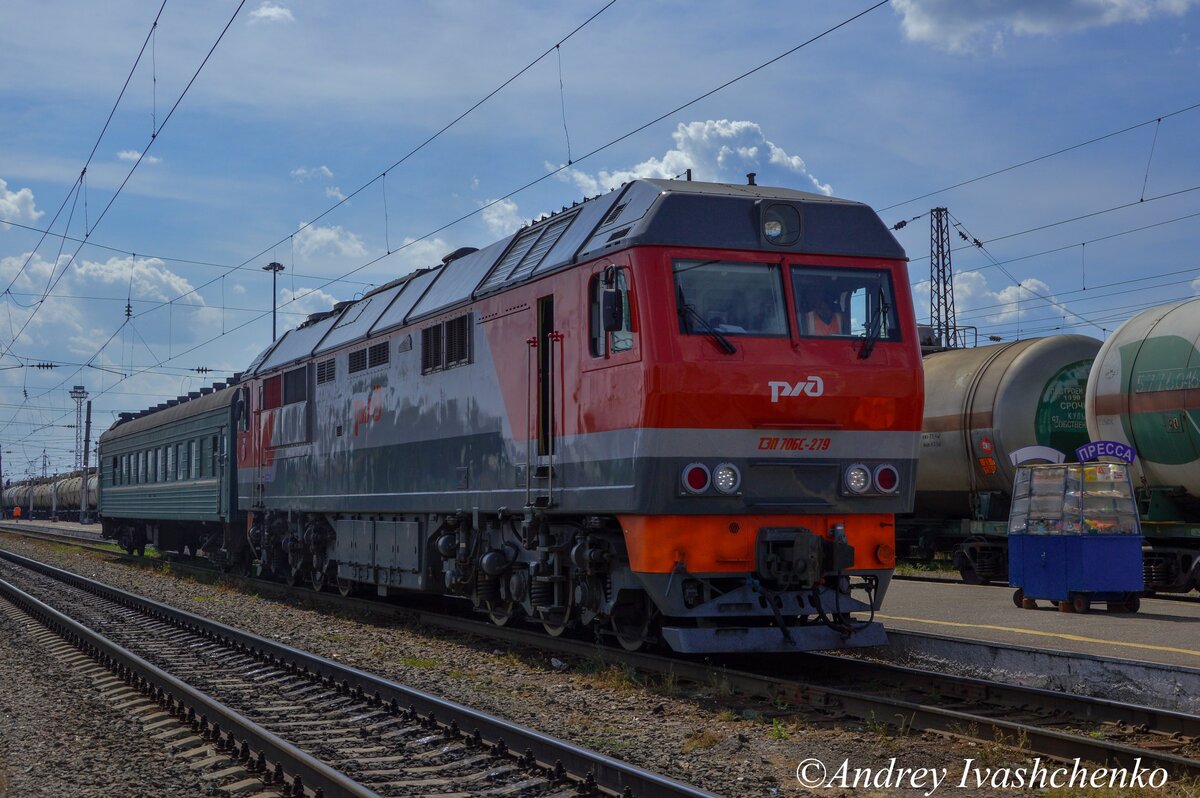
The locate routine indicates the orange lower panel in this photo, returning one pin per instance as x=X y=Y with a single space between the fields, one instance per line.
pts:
x=725 y=543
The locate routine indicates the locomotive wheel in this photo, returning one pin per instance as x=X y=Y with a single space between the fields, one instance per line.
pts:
x=347 y=587
x=631 y=625
x=501 y=612
x=1081 y=603
x=319 y=579
x=295 y=577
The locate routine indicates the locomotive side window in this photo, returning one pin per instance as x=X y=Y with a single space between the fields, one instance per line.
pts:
x=845 y=302
x=295 y=385
x=600 y=341
x=272 y=395
x=729 y=298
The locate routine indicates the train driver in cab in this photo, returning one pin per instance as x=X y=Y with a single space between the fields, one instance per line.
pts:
x=825 y=315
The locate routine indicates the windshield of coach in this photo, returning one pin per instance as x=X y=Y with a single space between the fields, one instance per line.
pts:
x=729 y=298
x=856 y=303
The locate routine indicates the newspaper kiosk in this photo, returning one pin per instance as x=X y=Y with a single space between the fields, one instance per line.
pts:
x=1074 y=537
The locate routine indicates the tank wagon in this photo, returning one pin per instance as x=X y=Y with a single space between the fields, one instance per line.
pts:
x=681 y=411
x=56 y=497
x=166 y=477
x=1144 y=391
x=981 y=405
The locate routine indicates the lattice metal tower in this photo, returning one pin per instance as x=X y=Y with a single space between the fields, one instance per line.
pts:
x=79 y=393
x=941 y=280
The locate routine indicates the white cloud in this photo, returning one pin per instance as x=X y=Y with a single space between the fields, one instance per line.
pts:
x=502 y=218
x=1196 y=286
x=720 y=150
x=421 y=254
x=133 y=155
x=314 y=239
x=17 y=206
x=304 y=172
x=1032 y=300
x=269 y=12
x=333 y=192
x=961 y=26
x=307 y=300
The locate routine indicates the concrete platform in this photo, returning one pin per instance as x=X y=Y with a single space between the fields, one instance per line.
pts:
x=62 y=527
x=1164 y=632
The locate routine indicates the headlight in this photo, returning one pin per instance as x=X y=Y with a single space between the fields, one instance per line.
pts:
x=773 y=229
x=726 y=478
x=858 y=478
x=695 y=478
x=887 y=478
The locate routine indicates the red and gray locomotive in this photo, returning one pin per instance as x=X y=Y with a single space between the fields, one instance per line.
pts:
x=679 y=411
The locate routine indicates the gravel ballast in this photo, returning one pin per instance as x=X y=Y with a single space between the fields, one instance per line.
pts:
x=725 y=744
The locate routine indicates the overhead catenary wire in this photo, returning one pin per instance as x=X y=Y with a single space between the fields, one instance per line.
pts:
x=535 y=181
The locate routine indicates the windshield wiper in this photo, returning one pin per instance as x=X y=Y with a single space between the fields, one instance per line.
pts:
x=874 y=328
x=687 y=312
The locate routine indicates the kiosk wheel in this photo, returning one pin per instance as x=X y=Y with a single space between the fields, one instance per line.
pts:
x=1019 y=598
x=1081 y=603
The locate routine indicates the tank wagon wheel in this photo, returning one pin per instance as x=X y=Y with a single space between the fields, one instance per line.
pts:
x=1081 y=603
x=631 y=624
x=971 y=577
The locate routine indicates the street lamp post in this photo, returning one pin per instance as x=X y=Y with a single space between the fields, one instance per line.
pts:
x=274 y=268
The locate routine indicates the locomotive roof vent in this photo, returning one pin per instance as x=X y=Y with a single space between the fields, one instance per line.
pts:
x=345 y=303
x=458 y=253
x=193 y=394
x=205 y=391
x=171 y=402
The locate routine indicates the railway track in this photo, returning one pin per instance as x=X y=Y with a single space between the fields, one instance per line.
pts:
x=257 y=715
x=838 y=688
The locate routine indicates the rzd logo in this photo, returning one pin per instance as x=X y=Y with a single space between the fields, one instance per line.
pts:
x=812 y=386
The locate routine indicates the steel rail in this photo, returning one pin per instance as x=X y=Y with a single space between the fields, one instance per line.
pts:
x=311 y=772
x=614 y=776
x=906 y=715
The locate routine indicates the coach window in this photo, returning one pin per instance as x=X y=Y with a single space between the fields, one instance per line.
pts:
x=600 y=341
x=114 y=478
x=169 y=471
x=194 y=448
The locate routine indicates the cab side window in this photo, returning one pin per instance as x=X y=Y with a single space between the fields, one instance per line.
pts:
x=603 y=342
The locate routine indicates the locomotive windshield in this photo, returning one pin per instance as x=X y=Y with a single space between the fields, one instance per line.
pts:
x=844 y=302
x=729 y=298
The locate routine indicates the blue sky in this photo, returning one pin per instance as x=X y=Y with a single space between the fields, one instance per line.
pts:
x=305 y=101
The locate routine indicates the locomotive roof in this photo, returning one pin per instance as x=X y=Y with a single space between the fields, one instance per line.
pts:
x=185 y=409
x=648 y=211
